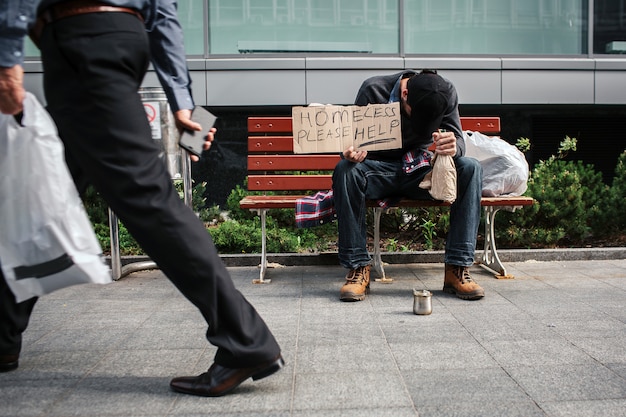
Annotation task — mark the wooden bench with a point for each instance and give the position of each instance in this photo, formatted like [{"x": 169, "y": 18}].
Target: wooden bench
[{"x": 272, "y": 166}]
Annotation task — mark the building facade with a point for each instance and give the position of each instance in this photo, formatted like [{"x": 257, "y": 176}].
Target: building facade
[{"x": 548, "y": 68}]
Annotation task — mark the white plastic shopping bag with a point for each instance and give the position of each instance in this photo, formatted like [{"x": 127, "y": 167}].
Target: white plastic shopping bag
[
  {"x": 46, "y": 239},
  {"x": 505, "y": 169}
]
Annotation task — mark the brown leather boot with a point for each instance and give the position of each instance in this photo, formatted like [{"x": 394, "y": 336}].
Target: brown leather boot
[
  {"x": 357, "y": 284},
  {"x": 458, "y": 281}
]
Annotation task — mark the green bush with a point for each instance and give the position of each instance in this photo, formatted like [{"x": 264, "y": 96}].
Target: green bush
[
  {"x": 570, "y": 205},
  {"x": 615, "y": 214},
  {"x": 237, "y": 237},
  {"x": 573, "y": 207},
  {"x": 244, "y": 236},
  {"x": 420, "y": 226}
]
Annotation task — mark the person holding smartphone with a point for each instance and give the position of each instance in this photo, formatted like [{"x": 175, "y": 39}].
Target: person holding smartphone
[{"x": 95, "y": 55}]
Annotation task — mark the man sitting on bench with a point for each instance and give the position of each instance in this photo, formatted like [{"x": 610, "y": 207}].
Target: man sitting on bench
[{"x": 429, "y": 106}]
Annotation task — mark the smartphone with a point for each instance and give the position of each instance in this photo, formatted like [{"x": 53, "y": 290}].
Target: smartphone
[{"x": 193, "y": 140}]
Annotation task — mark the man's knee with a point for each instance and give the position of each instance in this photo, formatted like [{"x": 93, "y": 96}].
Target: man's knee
[
  {"x": 345, "y": 172},
  {"x": 468, "y": 167}
]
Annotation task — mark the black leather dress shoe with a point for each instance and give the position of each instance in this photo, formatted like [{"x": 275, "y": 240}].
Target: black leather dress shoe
[
  {"x": 219, "y": 380},
  {"x": 8, "y": 362}
]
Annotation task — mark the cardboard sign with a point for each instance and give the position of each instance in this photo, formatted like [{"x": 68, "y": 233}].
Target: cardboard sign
[{"x": 322, "y": 129}]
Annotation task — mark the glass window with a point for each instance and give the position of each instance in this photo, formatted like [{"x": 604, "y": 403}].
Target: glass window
[
  {"x": 269, "y": 26},
  {"x": 499, "y": 27},
  {"x": 191, "y": 17},
  {"x": 30, "y": 50},
  {"x": 609, "y": 35}
]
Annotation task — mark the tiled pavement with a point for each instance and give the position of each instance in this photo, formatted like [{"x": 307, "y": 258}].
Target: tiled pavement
[{"x": 551, "y": 342}]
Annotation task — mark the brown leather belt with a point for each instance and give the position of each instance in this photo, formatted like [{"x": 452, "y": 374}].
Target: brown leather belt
[{"x": 75, "y": 7}]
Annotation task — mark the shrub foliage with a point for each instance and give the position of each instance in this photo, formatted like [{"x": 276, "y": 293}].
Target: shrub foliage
[{"x": 574, "y": 207}]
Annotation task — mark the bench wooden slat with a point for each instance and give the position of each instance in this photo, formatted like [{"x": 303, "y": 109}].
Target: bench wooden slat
[
  {"x": 289, "y": 201},
  {"x": 292, "y": 162},
  {"x": 270, "y": 144},
  {"x": 269, "y": 201},
  {"x": 507, "y": 201},
  {"x": 283, "y": 124},
  {"x": 481, "y": 124},
  {"x": 289, "y": 182},
  {"x": 269, "y": 124}
]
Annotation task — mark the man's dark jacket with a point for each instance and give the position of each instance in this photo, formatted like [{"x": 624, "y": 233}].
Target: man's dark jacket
[{"x": 377, "y": 90}]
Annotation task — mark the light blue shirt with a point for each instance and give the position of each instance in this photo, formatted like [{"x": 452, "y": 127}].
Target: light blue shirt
[
  {"x": 15, "y": 18},
  {"x": 395, "y": 91},
  {"x": 167, "y": 50}
]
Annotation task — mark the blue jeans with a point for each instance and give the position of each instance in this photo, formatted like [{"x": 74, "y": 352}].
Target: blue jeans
[{"x": 354, "y": 183}]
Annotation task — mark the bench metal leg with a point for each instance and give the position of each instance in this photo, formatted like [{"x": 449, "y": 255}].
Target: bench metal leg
[
  {"x": 378, "y": 262},
  {"x": 490, "y": 259},
  {"x": 263, "y": 214},
  {"x": 117, "y": 270},
  {"x": 116, "y": 260}
]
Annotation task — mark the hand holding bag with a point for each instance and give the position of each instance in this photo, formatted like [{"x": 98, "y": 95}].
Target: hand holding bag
[{"x": 46, "y": 239}]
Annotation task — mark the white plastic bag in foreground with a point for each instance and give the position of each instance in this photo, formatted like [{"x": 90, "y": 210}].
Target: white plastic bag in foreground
[{"x": 46, "y": 239}]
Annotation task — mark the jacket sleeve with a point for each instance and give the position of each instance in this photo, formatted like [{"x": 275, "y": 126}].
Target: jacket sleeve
[
  {"x": 373, "y": 90},
  {"x": 168, "y": 56},
  {"x": 452, "y": 122},
  {"x": 15, "y": 18}
]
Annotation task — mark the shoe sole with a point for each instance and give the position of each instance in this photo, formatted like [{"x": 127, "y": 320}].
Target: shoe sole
[
  {"x": 350, "y": 296},
  {"x": 272, "y": 369},
  {"x": 8, "y": 367},
  {"x": 469, "y": 296}
]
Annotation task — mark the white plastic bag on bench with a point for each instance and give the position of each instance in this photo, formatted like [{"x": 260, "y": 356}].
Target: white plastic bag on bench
[
  {"x": 46, "y": 239},
  {"x": 505, "y": 169}
]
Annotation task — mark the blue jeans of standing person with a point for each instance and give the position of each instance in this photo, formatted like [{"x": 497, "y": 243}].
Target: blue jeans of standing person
[{"x": 354, "y": 183}]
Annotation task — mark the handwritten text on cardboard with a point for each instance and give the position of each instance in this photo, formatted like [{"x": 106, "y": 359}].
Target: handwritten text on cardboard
[{"x": 321, "y": 129}]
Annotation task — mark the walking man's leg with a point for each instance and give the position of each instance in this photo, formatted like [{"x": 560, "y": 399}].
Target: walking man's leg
[
  {"x": 93, "y": 67},
  {"x": 13, "y": 321}
]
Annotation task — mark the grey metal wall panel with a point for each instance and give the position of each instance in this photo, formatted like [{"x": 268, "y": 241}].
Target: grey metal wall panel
[
  {"x": 302, "y": 80},
  {"x": 548, "y": 63},
  {"x": 336, "y": 87},
  {"x": 340, "y": 87},
  {"x": 476, "y": 86},
  {"x": 610, "y": 87},
  {"x": 198, "y": 85},
  {"x": 196, "y": 64},
  {"x": 226, "y": 64},
  {"x": 150, "y": 80},
  {"x": 441, "y": 63},
  {"x": 611, "y": 64},
  {"x": 547, "y": 87},
  {"x": 360, "y": 63},
  {"x": 33, "y": 82},
  {"x": 255, "y": 88}
]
